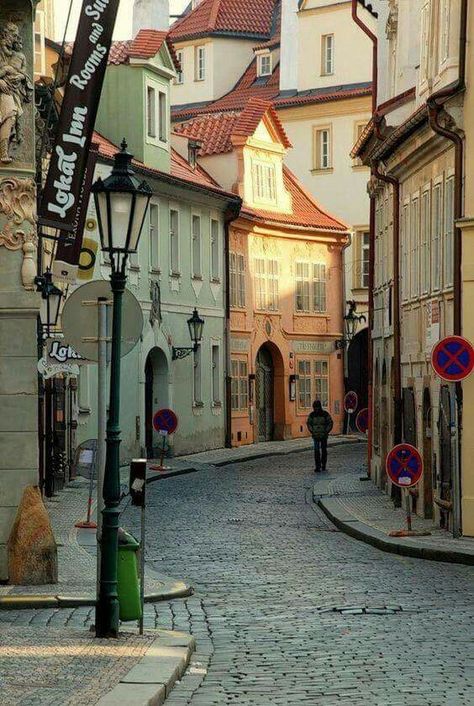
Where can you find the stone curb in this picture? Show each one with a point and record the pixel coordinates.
(348, 524)
(31, 601)
(151, 681)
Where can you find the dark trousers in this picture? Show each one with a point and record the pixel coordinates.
(320, 453)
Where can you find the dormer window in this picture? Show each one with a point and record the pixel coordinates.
(264, 182)
(179, 80)
(200, 63)
(156, 114)
(265, 64)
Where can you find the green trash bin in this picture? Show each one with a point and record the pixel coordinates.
(127, 575)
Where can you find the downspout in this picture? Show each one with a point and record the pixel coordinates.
(373, 39)
(231, 214)
(435, 109)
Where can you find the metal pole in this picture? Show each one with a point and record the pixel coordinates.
(107, 609)
(142, 560)
(455, 462)
(101, 423)
(408, 507)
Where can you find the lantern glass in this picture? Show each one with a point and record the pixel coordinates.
(139, 213)
(120, 211)
(101, 205)
(50, 306)
(351, 323)
(195, 325)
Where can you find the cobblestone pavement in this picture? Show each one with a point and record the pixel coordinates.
(289, 611)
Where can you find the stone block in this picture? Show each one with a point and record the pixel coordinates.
(19, 450)
(33, 555)
(12, 484)
(18, 335)
(18, 376)
(19, 413)
(139, 694)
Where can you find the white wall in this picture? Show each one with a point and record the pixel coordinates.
(150, 14)
(289, 45)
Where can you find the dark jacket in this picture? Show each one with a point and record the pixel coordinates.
(319, 425)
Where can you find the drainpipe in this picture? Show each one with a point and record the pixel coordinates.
(435, 108)
(373, 39)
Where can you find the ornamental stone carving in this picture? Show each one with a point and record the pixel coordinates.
(18, 204)
(16, 90)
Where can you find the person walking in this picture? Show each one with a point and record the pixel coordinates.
(319, 425)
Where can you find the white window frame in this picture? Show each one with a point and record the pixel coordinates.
(263, 59)
(196, 245)
(179, 80)
(448, 239)
(200, 62)
(239, 385)
(404, 251)
(154, 238)
(444, 35)
(237, 280)
(174, 243)
(322, 381)
(425, 240)
(303, 283)
(260, 284)
(424, 43)
(264, 182)
(156, 113)
(415, 246)
(216, 377)
(327, 55)
(305, 381)
(215, 240)
(151, 113)
(364, 248)
(319, 287)
(322, 147)
(39, 32)
(437, 215)
(162, 117)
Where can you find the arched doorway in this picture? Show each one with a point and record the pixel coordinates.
(427, 455)
(264, 394)
(156, 395)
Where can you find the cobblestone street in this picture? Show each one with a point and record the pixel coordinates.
(286, 609)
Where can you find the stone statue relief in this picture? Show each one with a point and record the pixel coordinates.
(16, 89)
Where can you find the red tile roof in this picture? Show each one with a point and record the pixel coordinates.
(180, 168)
(215, 132)
(247, 18)
(306, 212)
(146, 45)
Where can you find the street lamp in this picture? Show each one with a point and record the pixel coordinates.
(51, 297)
(121, 202)
(351, 322)
(195, 325)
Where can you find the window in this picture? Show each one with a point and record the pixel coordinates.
(174, 241)
(322, 148)
(266, 284)
(215, 250)
(302, 286)
(304, 384)
(179, 80)
(425, 242)
(40, 67)
(239, 386)
(163, 117)
(404, 252)
(237, 280)
(444, 30)
(264, 179)
(151, 111)
(200, 63)
(359, 129)
(449, 232)
(310, 291)
(425, 48)
(436, 229)
(196, 240)
(154, 238)
(216, 376)
(319, 287)
(365, 259)
(321, 382)
(327, 51)
(415, 247)
(197, 383)
(265, 64)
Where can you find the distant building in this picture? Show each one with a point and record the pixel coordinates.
(285, 264)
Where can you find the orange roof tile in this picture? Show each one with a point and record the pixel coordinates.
(215, 132)
(306, 212)
(248, 18)
(146, 44)
(180, 168)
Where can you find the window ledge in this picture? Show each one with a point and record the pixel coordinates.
(315, 314)
(359, 167)
(84, 410)
(175, 275)
(215, 280)
(134, 268)
(325, 170)
(216, 405)
(198, 405)
(155, 271)
(198, 278)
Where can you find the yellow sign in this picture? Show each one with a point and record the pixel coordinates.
(87, 259)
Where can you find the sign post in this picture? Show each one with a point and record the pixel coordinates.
(452, 359)
(351, 402)
(165, 422)
(404, 467)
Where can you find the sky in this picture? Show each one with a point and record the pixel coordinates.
(123, 26)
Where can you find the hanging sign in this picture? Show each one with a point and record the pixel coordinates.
(61, 204)
(404, 465)
(453, 358)
(50, 370)
(351, 401)
(58, 351)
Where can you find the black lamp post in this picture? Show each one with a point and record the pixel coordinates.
(351, 322)
(195, 325)
(121, 202)
(51, 297)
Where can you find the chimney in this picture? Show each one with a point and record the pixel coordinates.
(151, 14)
(289, 46)
(193, 148)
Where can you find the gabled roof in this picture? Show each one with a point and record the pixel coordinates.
(365, 3)
(248, 19)
(215, 132)
(180, 168)
(146, 45)
(306, 212)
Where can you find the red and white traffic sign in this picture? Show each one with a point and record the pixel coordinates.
(165, 420)
(362, 420)
(404, 465)
(351, 402)
(452, 358)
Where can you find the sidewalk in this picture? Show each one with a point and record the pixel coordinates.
(77, 560)
(47, 667)
(360, 509)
